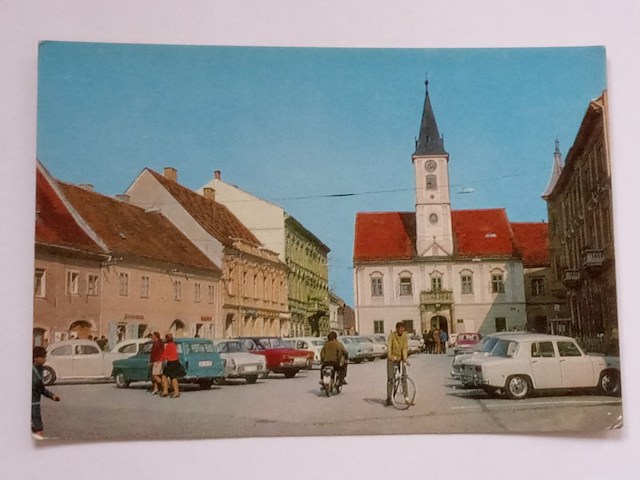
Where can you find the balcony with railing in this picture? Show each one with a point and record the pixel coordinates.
(434, 297)
(592, 259)
(571, 278)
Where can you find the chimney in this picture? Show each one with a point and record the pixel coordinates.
(124, 198)
(86, 186)
(217, 175)
(171, 173)
(210, 193)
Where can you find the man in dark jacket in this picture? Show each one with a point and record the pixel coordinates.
(37, 390)
(334, 353)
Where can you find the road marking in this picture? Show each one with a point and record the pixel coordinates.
(535, 404)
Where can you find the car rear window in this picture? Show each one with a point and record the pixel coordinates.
(542, 349)
(199, 347)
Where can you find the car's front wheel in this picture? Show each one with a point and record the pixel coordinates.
(48, 375)
(609, 383)
(121, 380)
(518, 387)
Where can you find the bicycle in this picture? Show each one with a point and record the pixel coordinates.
(404, 389)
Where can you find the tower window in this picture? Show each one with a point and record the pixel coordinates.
(432, 182)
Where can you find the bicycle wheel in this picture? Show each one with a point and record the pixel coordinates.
(401, 399)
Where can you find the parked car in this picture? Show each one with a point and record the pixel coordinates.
(519, 365)
(379, 350)
(75, 359)
(358, 349)
(127, 348)
(239, 362)
(379, 344)
(465, 342)
(280, 357)
(202, 362)
(311, 344)
(483, 347)
(415, 343)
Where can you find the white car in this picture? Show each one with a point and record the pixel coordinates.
(127, 348)
(238, 362)
(76, 359)
(379, 344)
(415, 344)
(312, 344)
(482, 348)
(518, 365)
(379, 349)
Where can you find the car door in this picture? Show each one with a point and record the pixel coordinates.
(88, 361)
(545, 365)
(577, 368)
(60, 358)
(137, 366)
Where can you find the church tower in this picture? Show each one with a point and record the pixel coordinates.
(434, 235)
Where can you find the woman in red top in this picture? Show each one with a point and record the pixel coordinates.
(173, 369)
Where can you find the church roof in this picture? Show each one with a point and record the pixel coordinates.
(532, 240)
(556, 170)
(429, 140)
(385, 236)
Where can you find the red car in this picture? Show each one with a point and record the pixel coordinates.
(465, 342)
(280, 358)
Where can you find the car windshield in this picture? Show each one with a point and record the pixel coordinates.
(273, 343)
(486, 344)
(505, 348)
(365, 340)
(230, 347)
(317, 343)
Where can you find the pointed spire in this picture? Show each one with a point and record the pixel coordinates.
(556, 170)
(429, 141)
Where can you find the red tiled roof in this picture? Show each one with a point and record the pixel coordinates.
(214, 217)
(392, 235)
(54, 223)
(532, 240)
(479, 233)
(130, 231)
(384, 236)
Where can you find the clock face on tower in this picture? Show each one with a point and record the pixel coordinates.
(430, 165)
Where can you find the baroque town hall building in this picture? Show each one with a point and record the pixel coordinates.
(459, 270)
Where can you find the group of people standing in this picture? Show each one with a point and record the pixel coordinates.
(435, 340)
(165, 366)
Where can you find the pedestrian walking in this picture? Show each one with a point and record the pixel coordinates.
(173, 369)
(37, 390)
(444, 336)
(157, 349)
(436, 341)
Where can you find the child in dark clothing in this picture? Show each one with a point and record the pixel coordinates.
(37, 390)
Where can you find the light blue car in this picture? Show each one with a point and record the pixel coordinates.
(199, 357)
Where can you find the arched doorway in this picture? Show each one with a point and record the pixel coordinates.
(81, 328)
(438, 321)
(177, 328)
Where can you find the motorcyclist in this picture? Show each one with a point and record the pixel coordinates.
(333, 353)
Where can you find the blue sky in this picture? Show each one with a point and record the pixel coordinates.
(294, 125)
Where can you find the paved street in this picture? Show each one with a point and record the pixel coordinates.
(291, 407)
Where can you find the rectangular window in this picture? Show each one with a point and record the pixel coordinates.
(72, 283)
(376, 286)
(92, 284)
(123, 284)
(177, 291)
(436, 284)
(197, 292)
(408, 324)
(405, 286)
(538, 286)
(497, 283)
(432, 182)
(378, 326)
(467, 283)
(212, 293)
(144, 286)
(39, 282)
(501, 324)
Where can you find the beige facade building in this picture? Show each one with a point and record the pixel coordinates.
(304, 254)
(336, 313)
(579, 204)
(254, 291)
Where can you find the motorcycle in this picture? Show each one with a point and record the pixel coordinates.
(330, 383)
